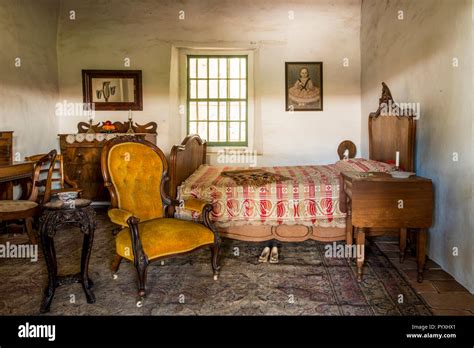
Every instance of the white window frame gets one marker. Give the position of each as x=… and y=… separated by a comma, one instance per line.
x=183, y=53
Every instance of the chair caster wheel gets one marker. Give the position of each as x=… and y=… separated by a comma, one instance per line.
x=115, y=276
x=216, y=276
x=140, y=302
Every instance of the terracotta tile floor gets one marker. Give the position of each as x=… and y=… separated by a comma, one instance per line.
x=441, y=292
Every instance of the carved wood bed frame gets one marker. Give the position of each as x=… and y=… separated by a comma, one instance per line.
x=387, y=134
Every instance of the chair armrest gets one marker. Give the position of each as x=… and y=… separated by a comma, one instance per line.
x=194, y=204
x=119, y=216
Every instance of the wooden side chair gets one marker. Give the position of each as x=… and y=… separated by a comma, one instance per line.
x=135, y=173
x=26, y=210
x=60, y=182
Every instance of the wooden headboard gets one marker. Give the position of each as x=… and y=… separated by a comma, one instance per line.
x=387, y=135
x=392, y=129
x=185, y=159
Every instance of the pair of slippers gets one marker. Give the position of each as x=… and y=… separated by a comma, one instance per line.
x=269, y=255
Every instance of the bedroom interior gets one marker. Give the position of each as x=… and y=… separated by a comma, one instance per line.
x=306, y=157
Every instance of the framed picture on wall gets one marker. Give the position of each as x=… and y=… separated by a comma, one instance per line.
x=113, y=89
x=304, y=86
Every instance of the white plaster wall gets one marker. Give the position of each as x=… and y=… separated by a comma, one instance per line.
x=414, y=57
x=146, y=31
x=28, y=94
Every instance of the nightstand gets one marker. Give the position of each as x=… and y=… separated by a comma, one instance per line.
x=377, y=201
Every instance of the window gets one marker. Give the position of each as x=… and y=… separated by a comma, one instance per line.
x=218, y=99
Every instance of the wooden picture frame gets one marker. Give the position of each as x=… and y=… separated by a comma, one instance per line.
x=304, y=86
x=113, y=89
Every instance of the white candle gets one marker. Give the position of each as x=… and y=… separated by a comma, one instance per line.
x=130, y=115
x=397, y=160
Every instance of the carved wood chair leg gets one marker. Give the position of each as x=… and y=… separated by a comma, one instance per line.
x=29, y=230
x=215, y=260
x=116, y=263
x=141, y=272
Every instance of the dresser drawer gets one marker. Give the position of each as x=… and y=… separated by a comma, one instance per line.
x=81, y=155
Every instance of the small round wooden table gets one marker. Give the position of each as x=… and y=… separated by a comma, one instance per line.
x=58, y=214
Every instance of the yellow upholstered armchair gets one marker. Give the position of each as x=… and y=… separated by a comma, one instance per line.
x=135, y=173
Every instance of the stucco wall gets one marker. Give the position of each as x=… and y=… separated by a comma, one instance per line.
x=28, y=93
x=106, y=32
x=414, y=56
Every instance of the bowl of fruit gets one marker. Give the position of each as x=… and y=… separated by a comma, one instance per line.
x=108, y=127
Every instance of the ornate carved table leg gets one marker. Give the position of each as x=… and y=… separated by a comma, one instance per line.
x=50, y=257
x=86, y=253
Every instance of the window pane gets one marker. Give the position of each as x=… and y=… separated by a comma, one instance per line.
x=222, y=131
x=192, y=127
x=234, y=67
x=222, y=88
x=212, y=88
x=213, y=131
x=192, y=68
x=202, y=88
x=243, y=89
x=202, y=68
x=223, y=67
x=234, y=111
x=202, y=130
x=202, y=111
x=243, y=68
x=213, y=111
x=234, y=89
x=242, y=131
x=222, y=111
x=192, y=89
x=243, y=111
x=213, y=62
x=234, y=128
x=192, y=111
x=214, y=81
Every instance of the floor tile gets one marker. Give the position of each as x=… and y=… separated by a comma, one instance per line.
x=426, y=286
x=455, y=312
x=429, y=275
x=448, y=286
x=450, y=300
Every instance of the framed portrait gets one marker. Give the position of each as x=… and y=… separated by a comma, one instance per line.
x=304, y=86
x=113, y=89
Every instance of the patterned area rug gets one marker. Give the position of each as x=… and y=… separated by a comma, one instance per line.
x=303, y=283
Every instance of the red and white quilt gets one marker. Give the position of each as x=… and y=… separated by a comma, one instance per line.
x=312, y=197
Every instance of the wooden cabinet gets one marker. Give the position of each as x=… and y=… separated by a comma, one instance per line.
x=6, y=147
x=82, y=157
x=377, y=201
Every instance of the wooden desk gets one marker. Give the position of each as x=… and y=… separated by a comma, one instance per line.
x=16, y=172
x=376, y=200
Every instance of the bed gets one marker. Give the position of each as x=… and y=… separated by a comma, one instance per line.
x=310, y=205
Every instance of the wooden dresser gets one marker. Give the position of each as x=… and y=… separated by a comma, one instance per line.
x=6, y=147
x=82, y=153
